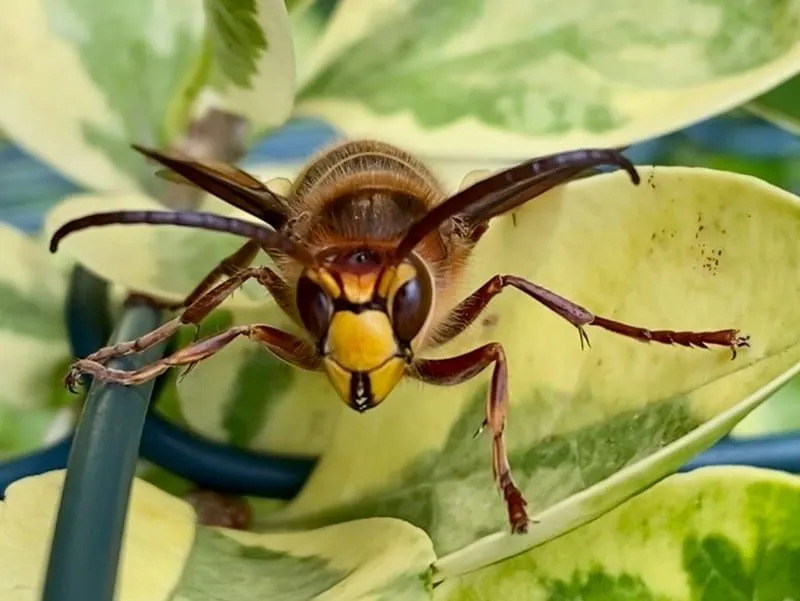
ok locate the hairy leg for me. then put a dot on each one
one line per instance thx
(196, 312)
(454, 370)
(471, 307)
(285, 346)
(229, 266)
(193, 314)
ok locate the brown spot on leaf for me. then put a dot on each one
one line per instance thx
(218, 509)
(490, 320)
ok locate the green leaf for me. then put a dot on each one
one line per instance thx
(520, 77)
(34, 353)
(726, 533)
(686, 249)
(236, 39)
(253, 71)
(84, 79)
(780, 105)
(166, 556)
(369, 559)
(780, 414)
(309, 18)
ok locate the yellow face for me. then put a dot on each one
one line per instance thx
(365, 323)
(362, 358)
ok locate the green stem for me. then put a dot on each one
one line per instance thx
(176, 117)
(85, 551)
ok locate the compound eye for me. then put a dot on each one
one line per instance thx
(314, 306)
(410, 307)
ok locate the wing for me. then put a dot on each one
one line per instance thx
(226, 182)
(503, 191)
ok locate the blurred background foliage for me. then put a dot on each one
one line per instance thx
(757, 139)
(595, 97)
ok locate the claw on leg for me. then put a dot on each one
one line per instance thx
(480, 429)
(584, 338)
(739, 342)
(73, 378)
(516, 504)
(82, 367)
(187, 371)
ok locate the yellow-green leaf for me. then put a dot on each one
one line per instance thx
(242, 395)
(159, 534)
(373, 559)
(780, 105)
(82, 80)
(166, 556)
(687, 249)
(522, 77)
(34, 353)
(716, 534)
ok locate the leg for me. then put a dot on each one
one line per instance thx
(231, 265)
(280, 291)
(454, 370)
(228, 266)
(468, 310)
(196, 312)
(285, 346)
(193, 314)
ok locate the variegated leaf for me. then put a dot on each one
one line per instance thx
(253, 70)
(687, 249)
(34, 353)
(167, 556)
(159, 536)
(716, 534)
(684, 250)
(513, 78)
(84, 79)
